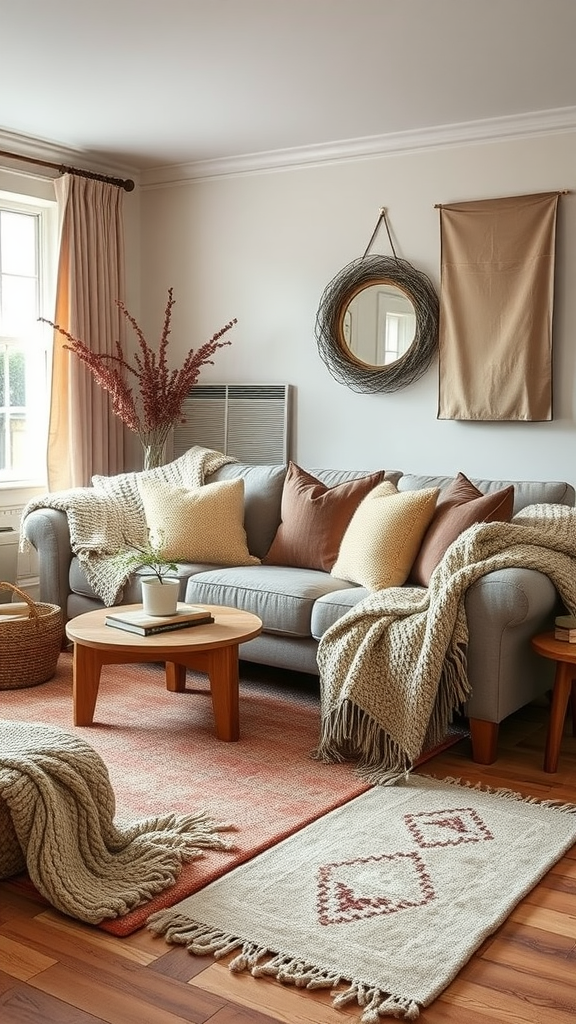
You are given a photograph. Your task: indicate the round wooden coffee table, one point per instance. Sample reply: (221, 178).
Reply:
(211, 648)
(564, 654)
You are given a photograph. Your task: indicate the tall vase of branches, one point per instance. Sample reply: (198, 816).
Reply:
(153, 407)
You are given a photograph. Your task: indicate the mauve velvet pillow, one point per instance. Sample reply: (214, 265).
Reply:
(459, 506)
(315, 518)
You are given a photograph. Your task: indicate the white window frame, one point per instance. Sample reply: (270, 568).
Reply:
(38, 391)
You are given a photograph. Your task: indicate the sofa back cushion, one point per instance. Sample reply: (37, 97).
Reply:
(526, 492)
(314, 518)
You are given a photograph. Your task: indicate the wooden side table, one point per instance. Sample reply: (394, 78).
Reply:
(564, 654)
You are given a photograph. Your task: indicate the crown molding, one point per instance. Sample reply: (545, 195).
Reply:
(544, 122)
(36, 148)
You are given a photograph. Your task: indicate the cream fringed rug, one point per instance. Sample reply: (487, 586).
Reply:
(57, 821)
(390, 894)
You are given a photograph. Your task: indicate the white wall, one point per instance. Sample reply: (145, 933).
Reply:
(262, 247)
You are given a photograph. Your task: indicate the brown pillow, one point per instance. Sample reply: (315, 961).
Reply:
(459, 506)
(315, 518)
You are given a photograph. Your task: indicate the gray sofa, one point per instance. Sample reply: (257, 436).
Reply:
(504, 608)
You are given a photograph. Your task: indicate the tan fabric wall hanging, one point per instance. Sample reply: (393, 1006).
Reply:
(496, 302)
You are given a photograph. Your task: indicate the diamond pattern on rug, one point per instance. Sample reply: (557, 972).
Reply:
(450, 827)
(371, 886)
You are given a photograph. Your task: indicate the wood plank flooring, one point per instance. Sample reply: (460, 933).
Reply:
(57, 971)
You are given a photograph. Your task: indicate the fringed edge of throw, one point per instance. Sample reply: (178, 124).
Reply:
(203, 940)
(349, 733)
(185, 832)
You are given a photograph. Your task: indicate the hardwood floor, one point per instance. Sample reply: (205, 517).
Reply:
(57, 971)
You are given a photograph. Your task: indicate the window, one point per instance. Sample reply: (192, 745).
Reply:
(27, 259)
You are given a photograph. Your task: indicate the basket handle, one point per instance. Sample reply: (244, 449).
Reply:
(32, 609)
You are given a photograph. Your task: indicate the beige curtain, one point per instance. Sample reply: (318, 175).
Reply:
(496, 302)
(85, 437)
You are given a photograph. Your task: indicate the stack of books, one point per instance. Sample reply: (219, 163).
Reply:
(565, 628)
(135, 620)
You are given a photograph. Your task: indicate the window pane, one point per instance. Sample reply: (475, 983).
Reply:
(20, 441)
(18, 243)
(17, 380)
(19, 309)
(28, 236)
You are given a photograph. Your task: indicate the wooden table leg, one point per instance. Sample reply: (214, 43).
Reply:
(86, 668)
(175, 677)
(560, 697)
(224, 689)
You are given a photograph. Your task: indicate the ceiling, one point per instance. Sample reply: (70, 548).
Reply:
(141, 86)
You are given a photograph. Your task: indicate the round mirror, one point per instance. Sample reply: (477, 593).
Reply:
(377, 324)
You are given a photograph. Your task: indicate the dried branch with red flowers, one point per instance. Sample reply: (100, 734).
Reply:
(156, 406)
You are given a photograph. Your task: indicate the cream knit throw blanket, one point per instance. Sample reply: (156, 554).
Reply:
(109, 517)
(57, 822)
(393, 669)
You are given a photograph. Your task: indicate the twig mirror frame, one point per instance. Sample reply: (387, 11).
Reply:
(332, 347)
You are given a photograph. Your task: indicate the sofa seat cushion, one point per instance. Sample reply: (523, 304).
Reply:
(131, 593)
(283, 597)
(331, 607)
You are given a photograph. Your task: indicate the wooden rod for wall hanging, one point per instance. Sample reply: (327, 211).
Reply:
(559, 192)
(126, 183)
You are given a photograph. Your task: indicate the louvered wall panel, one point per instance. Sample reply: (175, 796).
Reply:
(250, 422)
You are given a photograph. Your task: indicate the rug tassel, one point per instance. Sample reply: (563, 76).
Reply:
(198, 938)
(508, 794)
(376, 1003)
(290, 971)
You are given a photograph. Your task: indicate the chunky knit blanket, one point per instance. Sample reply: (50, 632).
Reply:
(109, 516)
(57, 822)
(393, 669)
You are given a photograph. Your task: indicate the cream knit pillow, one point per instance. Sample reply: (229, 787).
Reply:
(204, 524)
(384, 535)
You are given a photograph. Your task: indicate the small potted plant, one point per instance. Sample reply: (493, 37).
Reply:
(160, 590)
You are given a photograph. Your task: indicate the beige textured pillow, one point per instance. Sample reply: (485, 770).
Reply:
(205, 524)
(384, 536)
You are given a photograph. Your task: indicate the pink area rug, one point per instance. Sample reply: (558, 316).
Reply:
(162, 755)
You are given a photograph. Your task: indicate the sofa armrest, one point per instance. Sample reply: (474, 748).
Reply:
(48, 532)
(504, 609)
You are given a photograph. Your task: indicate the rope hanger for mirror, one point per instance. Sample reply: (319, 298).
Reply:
(381, 218)
(368, 270)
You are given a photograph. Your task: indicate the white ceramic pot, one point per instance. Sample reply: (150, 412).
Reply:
(160, 598)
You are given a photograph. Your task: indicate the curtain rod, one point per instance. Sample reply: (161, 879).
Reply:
(126, 183)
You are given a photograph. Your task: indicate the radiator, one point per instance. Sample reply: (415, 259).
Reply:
(250, 422)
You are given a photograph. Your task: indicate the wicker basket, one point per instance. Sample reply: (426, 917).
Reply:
(29, 647)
